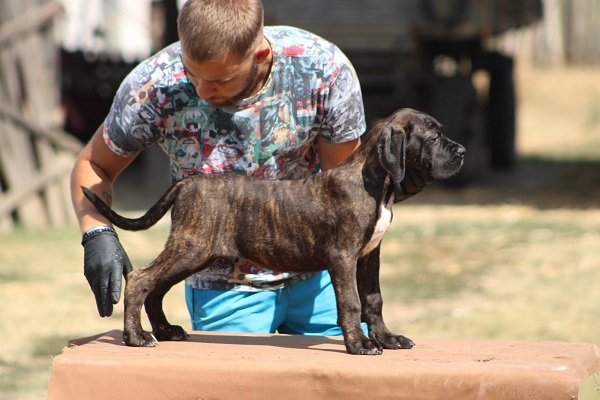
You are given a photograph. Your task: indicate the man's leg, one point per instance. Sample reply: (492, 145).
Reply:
(312, 309)
(232, 311)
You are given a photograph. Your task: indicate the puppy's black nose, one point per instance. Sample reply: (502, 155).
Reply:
(460, 151)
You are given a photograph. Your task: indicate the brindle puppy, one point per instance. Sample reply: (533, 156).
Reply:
(334, 220)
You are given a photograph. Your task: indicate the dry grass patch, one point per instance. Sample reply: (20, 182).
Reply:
(493, 272)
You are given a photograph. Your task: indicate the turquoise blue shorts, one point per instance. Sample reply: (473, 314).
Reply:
(305, 308)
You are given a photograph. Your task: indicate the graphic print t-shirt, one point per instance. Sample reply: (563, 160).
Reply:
(312, 91)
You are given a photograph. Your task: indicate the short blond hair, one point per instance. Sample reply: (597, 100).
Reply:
(210, 28)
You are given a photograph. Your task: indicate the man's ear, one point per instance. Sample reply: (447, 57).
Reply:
(392, 153)
(262, 52)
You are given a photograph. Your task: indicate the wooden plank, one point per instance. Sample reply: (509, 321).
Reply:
(17, 157)
(57, 137)
(54, 173)
(33, 19)
(65, 186)
(16, 152)
(6, 220)
(9, 77)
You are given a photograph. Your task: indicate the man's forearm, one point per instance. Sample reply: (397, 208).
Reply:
(84, 174)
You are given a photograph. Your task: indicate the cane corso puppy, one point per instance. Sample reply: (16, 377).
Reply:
(333, 220)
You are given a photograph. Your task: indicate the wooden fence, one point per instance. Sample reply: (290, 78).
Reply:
(36, 155)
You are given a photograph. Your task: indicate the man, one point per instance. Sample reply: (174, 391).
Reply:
(232, 95)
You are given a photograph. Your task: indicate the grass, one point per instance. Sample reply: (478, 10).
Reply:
(514, 257)
(494, 272)
(45, 301)
(562, 118)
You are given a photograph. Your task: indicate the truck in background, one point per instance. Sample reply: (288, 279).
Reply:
(433, 55)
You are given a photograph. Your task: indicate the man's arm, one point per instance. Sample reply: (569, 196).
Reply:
(331, 154)
(104, 259)
(97, 167)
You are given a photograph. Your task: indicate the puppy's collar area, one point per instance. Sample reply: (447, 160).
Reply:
(414, 181)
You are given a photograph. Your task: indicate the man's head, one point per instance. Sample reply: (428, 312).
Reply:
(209, 28)
(223, 48)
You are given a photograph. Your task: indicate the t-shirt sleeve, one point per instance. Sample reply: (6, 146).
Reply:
(344, 118)
(132, 123)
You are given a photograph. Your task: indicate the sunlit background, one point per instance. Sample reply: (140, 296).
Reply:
(508, 249)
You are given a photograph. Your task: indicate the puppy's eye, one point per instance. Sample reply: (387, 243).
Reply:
(432, 139)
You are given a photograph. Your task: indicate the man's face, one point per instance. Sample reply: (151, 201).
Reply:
(225, 81)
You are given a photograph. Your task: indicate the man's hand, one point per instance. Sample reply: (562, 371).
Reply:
(105, 262)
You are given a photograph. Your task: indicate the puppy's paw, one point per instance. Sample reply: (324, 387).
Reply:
(364, 346)
(389, 340)
(404, 342)
(145, 339)
(170, 333)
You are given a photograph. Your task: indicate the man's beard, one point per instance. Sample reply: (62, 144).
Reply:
(244, 93)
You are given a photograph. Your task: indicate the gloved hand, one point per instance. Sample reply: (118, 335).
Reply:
(105, 261)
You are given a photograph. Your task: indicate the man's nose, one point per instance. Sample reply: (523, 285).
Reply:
(204, 89)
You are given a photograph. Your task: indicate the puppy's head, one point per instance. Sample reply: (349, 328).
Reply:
(429, 150)
(414, 151)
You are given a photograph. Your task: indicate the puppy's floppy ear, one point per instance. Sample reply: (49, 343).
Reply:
(392, 154)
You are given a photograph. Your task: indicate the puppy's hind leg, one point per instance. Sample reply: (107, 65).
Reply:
(161, 328)
(173, 274)
(148, 286)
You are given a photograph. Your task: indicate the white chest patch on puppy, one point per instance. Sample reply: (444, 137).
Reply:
(381, 227)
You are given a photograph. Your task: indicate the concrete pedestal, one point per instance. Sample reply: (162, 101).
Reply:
(247, 366)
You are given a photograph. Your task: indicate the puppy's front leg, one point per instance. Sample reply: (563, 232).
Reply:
(348, 305)
(372, 303)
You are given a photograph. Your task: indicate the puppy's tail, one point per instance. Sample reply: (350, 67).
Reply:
(151, 217)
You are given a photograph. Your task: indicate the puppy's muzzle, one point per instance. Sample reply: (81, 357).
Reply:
(458, 158)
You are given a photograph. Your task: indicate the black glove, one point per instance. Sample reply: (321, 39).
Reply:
(105, 261)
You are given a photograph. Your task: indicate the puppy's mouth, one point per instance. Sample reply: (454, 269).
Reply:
(458, 166)
(455, 161)
(449, 169)
(455, 164)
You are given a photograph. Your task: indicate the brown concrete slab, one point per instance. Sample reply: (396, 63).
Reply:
(247, 366)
